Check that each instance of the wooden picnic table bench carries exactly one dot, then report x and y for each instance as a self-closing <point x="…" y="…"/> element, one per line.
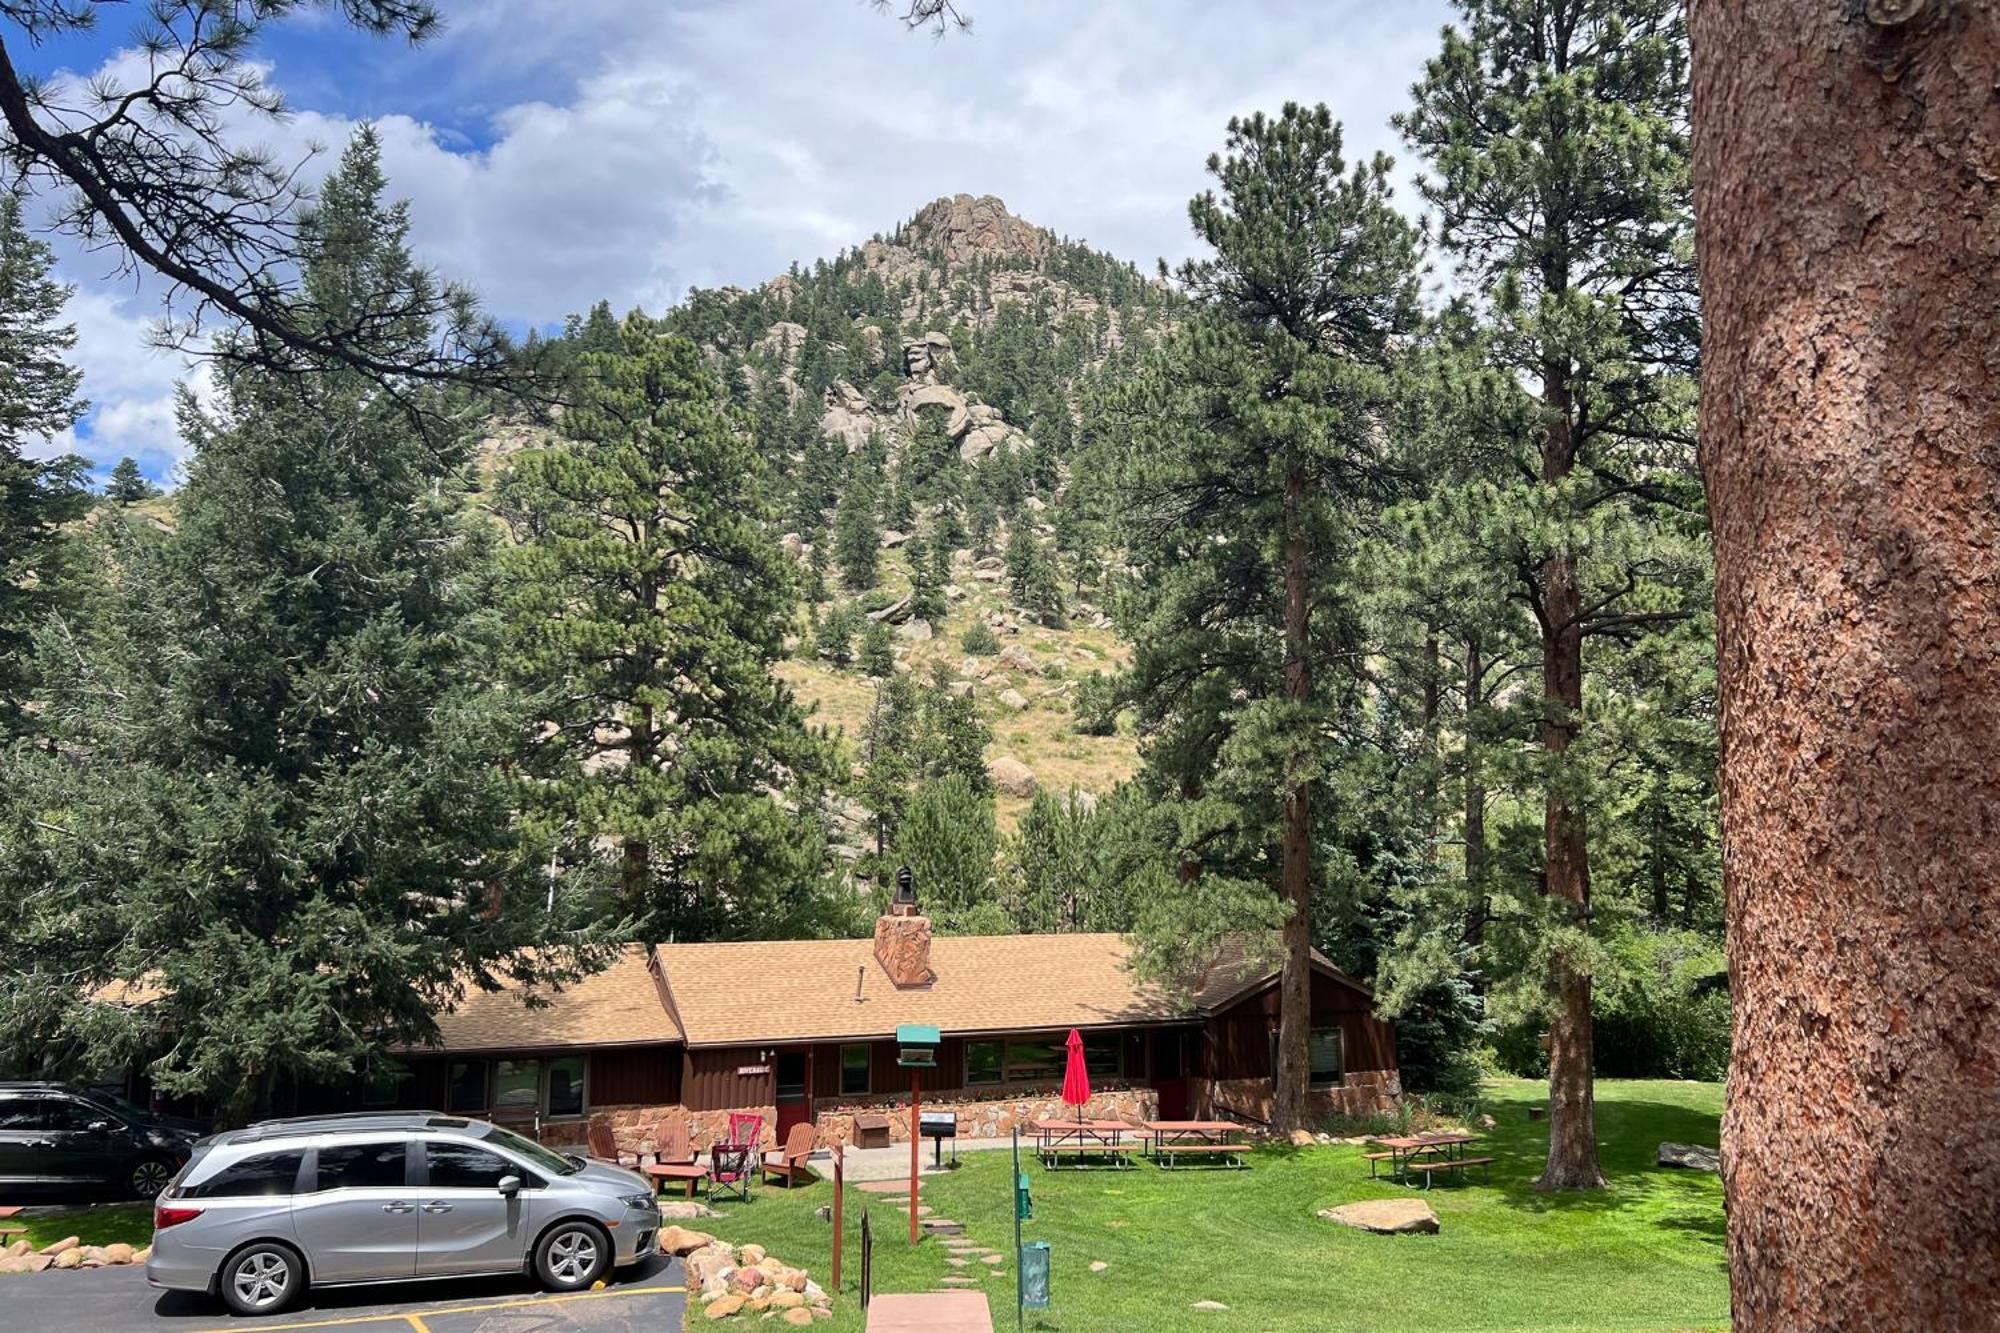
<point x="1425" y="1153"/>
<point x="1213" y="1139"/>
<point x="1229" y="1154"/>
<point x="1082" y="1139"/>
<point x="1429" y="1168"/>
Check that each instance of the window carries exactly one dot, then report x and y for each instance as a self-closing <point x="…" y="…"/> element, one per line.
<point x="1104" y="1054"/>
<point x="854" y="1065"/>
<point x="22" y="1113"/>
<point x="465" y="1086"/>
<point x="384" y="1086"/>
<point x="462" y="1166"/>
<point x="789" y="1076"/>
<point x="566" y="1086"/>
<point x="362" y="1166"/>
<point x="62" y="1113"/>
<point x="517" y="1085"/>
<point x="1034" y="1059"/>
<point x="1323" y="1051"/>
<point x="264" y="1175"/>
<point x="983" y="1062"/>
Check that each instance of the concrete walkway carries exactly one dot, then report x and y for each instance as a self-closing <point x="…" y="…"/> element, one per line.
<point x="893" y="1163"/>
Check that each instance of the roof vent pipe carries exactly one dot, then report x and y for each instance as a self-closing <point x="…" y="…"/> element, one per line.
<point x="860" y="975"/>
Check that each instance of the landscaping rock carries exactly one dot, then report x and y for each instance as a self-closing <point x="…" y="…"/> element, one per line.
<point x="68" y="1259"/>
<point x="724" y="1306"/>
<point x="1692" y="1156"/>
<point x="1385" y="1217"/>
<point x="143" y="1255"/>
<point x="681" y="1241"/>
<point x="64" y="1245"/>
<point x="18" y="1248"/>
<point x="683" y="1209"/>
<point x="798" y="1318"/>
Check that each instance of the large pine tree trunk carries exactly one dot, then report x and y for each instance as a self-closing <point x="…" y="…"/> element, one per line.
<point x="1475" y="795"/>
<point x="1847" y="177"/>
<point x="1572" y="1160"/>
<point x="1295" y="983"/>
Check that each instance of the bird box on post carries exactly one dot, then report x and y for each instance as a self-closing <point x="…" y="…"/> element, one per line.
<point x="917" y="1045"/>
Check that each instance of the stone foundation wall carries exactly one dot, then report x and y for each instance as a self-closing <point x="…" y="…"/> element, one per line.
<point x="635" y="1126"/>
<point x="985" y="1113"/>
<point x="1363" y="1092"/>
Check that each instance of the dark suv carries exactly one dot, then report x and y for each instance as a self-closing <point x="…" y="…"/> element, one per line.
<point x="55" y="1140"/>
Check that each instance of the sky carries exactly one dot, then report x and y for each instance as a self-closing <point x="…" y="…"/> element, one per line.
<point x="559" y="152"/>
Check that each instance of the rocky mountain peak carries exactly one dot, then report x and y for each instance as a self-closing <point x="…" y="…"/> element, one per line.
<point x="962" y="227"/>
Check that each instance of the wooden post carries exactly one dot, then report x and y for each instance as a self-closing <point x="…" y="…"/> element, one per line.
<point x="916" y="1077"/>
<point x="841" y="1153"/>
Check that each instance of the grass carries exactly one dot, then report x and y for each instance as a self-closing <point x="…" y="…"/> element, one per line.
<point x="1645" y="1254"/>
<point x="106" y="1224"/>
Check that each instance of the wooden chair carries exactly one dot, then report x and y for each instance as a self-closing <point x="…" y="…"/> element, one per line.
<point x="673" y="1158"/>
<point x="604" y="1145"/>
<point x="789" y="1164"/>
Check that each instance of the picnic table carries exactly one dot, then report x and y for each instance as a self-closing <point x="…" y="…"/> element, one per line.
<point x="1084" y="1140"/>
<point x="1425" y="1155"/>
<point x="1200" y="1140"/>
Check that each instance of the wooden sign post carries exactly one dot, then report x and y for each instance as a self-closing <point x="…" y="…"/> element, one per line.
<point x="839" y="1188"/>
<point x="916" y="1050"/>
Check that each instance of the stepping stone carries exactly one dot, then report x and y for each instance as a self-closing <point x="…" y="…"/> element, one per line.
<point x="1208" y="1305"/>
<point x="885" y="1187"/>
<point x="956" y="1282"/>
<point x="957" y="1262"/>
<point x="923" y="1209"/>
<point x="942" y="1226"/>
<point x="1098" y="1265"/>
<point x="990" y="1259"/>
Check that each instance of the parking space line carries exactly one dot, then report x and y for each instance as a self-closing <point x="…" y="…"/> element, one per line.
<point x="419" y="1326"/>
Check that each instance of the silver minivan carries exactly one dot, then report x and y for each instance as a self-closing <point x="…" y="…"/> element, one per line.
<point x="259" y="1214"/>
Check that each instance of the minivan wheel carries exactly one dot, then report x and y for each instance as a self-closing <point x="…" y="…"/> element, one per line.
<point x="262" y="1279"/>
<point x="149" y="1176"/>
<point x="571" y="1256"/>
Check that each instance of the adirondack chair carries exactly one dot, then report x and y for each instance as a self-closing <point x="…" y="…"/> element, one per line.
<point x="604" y="1145"/>
<point x="789" y="1164"/>
<point x="674" y="1158"/>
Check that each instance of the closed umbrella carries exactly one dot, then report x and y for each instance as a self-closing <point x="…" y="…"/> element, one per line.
<point x="1076" y="1076"/>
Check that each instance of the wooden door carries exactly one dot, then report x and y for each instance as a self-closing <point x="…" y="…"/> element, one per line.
<point x="792" y="1072"/>
<point x="1169" y="1070"/>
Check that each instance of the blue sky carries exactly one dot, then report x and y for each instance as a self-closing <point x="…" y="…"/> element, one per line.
<point x="556" y="152"/>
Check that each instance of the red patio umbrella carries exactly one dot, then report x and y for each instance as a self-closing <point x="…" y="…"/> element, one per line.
<point x="1076" y="1077"/>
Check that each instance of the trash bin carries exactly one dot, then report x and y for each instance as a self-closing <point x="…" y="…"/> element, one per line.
<point x="1035" y="1275"/>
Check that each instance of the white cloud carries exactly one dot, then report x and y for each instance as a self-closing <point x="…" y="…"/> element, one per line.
<point x="718" y="140"/>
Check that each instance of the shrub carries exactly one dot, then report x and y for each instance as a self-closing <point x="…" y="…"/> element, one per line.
<point x="1097" y="703"/>
<point x="979" y="640"/>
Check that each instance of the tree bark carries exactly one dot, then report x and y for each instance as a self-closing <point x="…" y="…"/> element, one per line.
<point x="1847" y="181"/>
<point x="1294" y="1070"/>
<point x="1572" y="1160"/>
<point x="1475" y="795"/>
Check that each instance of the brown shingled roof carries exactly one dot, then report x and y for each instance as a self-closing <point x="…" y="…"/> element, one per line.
<point x="620" y="1006"/>
<point x="803" y="990"/>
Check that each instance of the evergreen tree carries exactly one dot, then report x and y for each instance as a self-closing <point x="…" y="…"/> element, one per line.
<point x="128" y="485"/>
<point x="857" y="541"/>
<point x="834" y="639"/>
<point x="1241" y="460"/>
<point x="1031" y="574"/>
<point x="878" y="654"/>
<point x="38" y="399"/>
<point x="1556" y="138"/>
<point x="948" y="838"/>
<point x="647" y="605"/>
<point x="274" y="793"/>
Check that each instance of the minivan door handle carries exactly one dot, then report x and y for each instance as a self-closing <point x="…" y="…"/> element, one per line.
<point x="437" y="1207"/>
<point x="398" y="1207"/>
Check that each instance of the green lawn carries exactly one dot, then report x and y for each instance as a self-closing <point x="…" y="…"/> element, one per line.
<point x="131" y="1223"/>
<point x="1645" y="1254"/>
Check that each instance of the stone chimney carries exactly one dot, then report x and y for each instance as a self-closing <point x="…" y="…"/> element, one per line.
<point x="903" y="938"/>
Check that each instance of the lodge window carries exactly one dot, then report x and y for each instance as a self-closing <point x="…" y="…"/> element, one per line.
<point x="1325" y="1066"/>
<point x="384" y="1087"/>
<point x="1104" y="1054"/>
<point x="854" y="1066"/>
<point x="551" y="1088"/>
<point x="1040" y="1059"/>
<point x="984" y="1062"/>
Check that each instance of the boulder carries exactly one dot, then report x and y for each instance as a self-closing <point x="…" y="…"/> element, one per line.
<point x="917" y="630"/>
<point x="724" y="1306"/>
<point x="962" y="689"/>
<point x="1012" y="776"/>
<point x="751" y="1254"/>
<point x="922" y="356"/>
<point x="793" y="545"/>
<point x="895" y="613"/>
<point x="1014" y="699"/>
<point x="844" y="395"/>
<point x="871" y="345"/>
<point x="783" y="340"/>
<point x="120" y="1253"/>
<point x="996" y="437"/>
<point x="797" y="1317"/>
<point x="958" y="417"/>
<point x="1017" y="657"/>
<point x="682" y="1241"/>
<point x="1692" y="1156"/>
<point x="64" y="1245"/>
<point x="1386" y="1217"/>
<point x="18" y="1248"/>
<point x="1302" y="1138"/>
<point x="891" y="539"/>
<point x="68" y="1259"/>
<point x="850" y="428"/>
<point x="974" y="668"/>
<point x="990" y="562"/>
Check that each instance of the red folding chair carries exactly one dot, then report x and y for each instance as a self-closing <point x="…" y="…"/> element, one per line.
<point x="746" y="1129"/>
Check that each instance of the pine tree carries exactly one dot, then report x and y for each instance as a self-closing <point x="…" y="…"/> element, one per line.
<point x="878" y="654"/>
<point x="128" y="485"/>
<point x="1244" y="453"/>
<point x="38" y="399"/>
<point x="857" y="541"/>
<point x="833" y="641"/>
<point x="1555" y="134"/>
<point x="646" y="605"/>
<point x="289" y="816"/>
<point x="948" y="838"/>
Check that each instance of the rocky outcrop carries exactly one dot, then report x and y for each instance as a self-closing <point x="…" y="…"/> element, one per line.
<point x="782" y="340"/>
<point x="927" y="355"/>
<point x="997" y="438"/>
<point x="918" y="397"/>
<point x="961" y="227"/>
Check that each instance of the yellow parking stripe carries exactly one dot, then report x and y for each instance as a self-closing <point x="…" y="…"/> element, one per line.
<point x="418" y="1324"/>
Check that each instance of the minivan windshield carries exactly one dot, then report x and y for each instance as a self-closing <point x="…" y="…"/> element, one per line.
<point x="553" y="1163"/>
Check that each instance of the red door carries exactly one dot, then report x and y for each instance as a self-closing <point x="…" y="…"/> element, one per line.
<point x="1170" y="1074"/>
<point x="793" y="1071"/>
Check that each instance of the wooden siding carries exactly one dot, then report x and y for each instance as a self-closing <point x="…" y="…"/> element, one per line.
<point x="1238" y="1043"/>
<point x="637" y="1076"/>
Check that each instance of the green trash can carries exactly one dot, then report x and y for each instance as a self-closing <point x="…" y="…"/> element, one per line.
<point x="1035" y="1275"/>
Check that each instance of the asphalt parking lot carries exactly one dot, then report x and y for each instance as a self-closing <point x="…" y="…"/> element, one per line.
<point x="647" y="1296"/>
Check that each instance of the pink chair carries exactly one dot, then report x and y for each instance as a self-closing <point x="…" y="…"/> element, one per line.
<point x="745" y="1129"/>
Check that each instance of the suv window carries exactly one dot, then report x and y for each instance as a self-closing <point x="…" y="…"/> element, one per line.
<point x="253" y="1177"/>
<point x="360" y="1166"/>
<point x="24" y="1113"/>
<point x="462" y="1166"/>
<point x="64" y="1113"/>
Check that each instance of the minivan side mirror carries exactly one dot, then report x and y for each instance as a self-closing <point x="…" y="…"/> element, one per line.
<point x="98" y="1127"/>
<point x="510" y="1185"/>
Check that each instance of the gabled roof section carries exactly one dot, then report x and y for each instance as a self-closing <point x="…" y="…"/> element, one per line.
<point x="623" y="1005"/>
